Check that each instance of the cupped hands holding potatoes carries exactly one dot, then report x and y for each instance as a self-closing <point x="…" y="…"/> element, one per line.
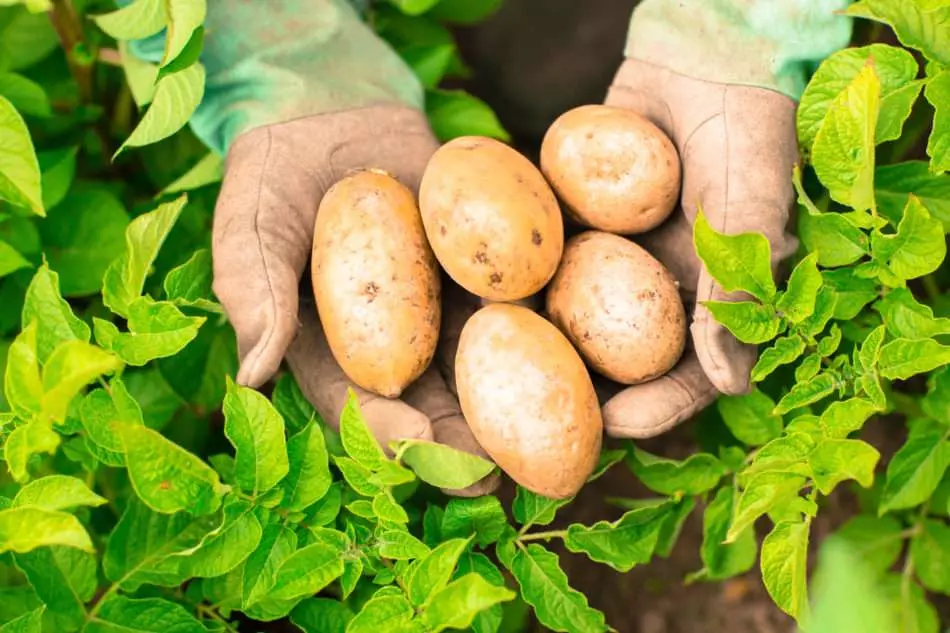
<point x="421" y="256"/>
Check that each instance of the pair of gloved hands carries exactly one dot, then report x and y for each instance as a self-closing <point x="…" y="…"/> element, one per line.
<point x="737" y="145"/>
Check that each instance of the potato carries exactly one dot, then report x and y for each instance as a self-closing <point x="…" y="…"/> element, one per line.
<point x="529" y="399"/>
<point x="493" y="221"/>
<point x="619" y="306"/>
<point x="613" y="169"/>
<point x="376" y="282"/>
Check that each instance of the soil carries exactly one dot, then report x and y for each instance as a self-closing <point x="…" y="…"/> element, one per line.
<point x="532" y="61"/>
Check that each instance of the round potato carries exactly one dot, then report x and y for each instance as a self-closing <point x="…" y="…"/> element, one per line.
<point x="619" y="306"/>
<point x="613" y="169"/>
<point x="376" y="282"/>
<point x="529" y="399"/>
<point x="493" y="221"/>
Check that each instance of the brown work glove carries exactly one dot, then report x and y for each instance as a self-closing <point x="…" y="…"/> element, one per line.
<point x="737" y="145"/>
<point x="275" y="177"/>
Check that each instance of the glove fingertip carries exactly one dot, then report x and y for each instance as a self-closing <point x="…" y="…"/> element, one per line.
<point x="726" y="361"/>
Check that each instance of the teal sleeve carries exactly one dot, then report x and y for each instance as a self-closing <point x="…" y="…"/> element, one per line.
<point x="269" y="61"/>
<point x="774" y="44"/>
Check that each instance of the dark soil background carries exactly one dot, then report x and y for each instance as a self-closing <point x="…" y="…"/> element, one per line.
<point x="532" y="61"/>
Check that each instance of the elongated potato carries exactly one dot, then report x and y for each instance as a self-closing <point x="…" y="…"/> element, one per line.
<point x="376" y="282"/>
<point x="493" y="221"/>
<point x="613" y="169"/>
<point x="528" y="399"/>
<point x="619" y="306"/>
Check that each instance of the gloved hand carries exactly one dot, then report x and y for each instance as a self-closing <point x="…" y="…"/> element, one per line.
<point x="274" y="180"/>
<point x="720" y="78"/>
<point x="737" y="145"/>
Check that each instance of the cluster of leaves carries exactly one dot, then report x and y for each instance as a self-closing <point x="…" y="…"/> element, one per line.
<point x="845" y="340"/>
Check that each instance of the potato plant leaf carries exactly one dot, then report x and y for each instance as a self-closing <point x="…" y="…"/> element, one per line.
<point x="783" y="562"/>
<point x="915" y="470"/>
<point x="256" y="430"/>
<point x="441" y="465"/>
<point x="19" y="168"/>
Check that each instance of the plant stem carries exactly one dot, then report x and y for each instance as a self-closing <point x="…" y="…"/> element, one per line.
<point x="69" y="30"/>
<point x="114" y="587"/>
<point x="211" y="614"/>
<point x="538" y="536"/>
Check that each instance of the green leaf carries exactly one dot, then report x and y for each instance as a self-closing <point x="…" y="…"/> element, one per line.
<point x="936" y="403"/>
<point x="55" y="321"/>
<point x="750" y="322"/>
<point x="843" y="151"/>
<point x="308" y="476"/>
<point x="902" y="358"/>
<point x="149" y="615"/>
<point x="784" y="561"/>
<point x="877" y="540"/>
<point x="915" y="471"/>
<point x="918" y="24"/>
<point x="429" y="62"/>
<point x="624" y="543"/>
<point x="785" y="350"/>
<point x="140" y="75"/>
<point x="414" y="7"/>
<point x="454" y="113"/>
<point x="763" y="493"/>
<point x="57" y="492"/>
<point x="389" y="612"/>
<point x="489" y="620"/>
<point x="146" y="547"/>
<point x="845" y="416"/>
<point x="10" y="259"/>
<point x="70" y="367"/>
<point x="30" y="622"/>
<point x="206" y="171"/>
<point x="184" y="16"/>
<point x="135" y="21"/>
<point x="481" y="516"/>
<point x="197" y="374"/>
<point x="25" y="441"/>
<point x="930" y="551"/>
<point x="400" y="545"/>
<point x="750" y="418"/>
<point x="356" y="436"/>
<point x="725" y="560"/>
<point x="176" y="97"/>
<point x="293" y="405"/>
<point x="434" y="571"/>
<point x="938" y="94"/>
<point x="22" y="384"/>
<point x="190" y="283"/>
<point x="441" y="465"/>
<point x="325" y="511"/>
<point x="27" y="96"/>
<point x="909" y="605"/>
<point x="157" y="329"/>
<point x="25" y="38"/>
<point x="456" y="605"/>
<point x="308" y="570"/>
<point x="530" y="508"/>
<point x="82" y="235"/>
<point x="786" y="454"/>
<point x="64" y="578"/>
<point x="357" y="477"/>
<point x="836" y="241"/>
<point x="824" y="310"/>
<point x="853" y="292"/>
<point x="102" y="412"/>
<point x="226" y="547"/>
<point x="166" y="476"/>
<point x="896" y="68"/>
<point x="362" y="508"/>
<point x="917" y="248"/>
<point x="256" y="430"/>
<point x="693" y="476"/>
<point x="894" y="183"/>
<point x="125" y="277"/>
<point x="798" y="300"/>
<point x="25" y="528"/>
<point x="544" y="586"/>
<point x="905" y="317"/>
<point x="870" y="351"/>
<point x="19" y="169"/>
<point x="58" y="168"/>
<point x="737" y="262"/>
<point x="321" y="615"/>
<point x="834" y="461"/>
<point x="805" y="393"/>
<point x="387" y="509"/>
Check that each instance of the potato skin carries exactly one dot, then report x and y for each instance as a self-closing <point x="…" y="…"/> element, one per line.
<point x="619" y="306"/>
<point x="376" y="282"/>
<point x="528" y="399"/>
<point x="613" y="169"/>
<point x="491" y="218"/>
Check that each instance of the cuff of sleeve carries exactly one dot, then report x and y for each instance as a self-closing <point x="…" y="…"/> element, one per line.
<point x="773" y="44"/>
